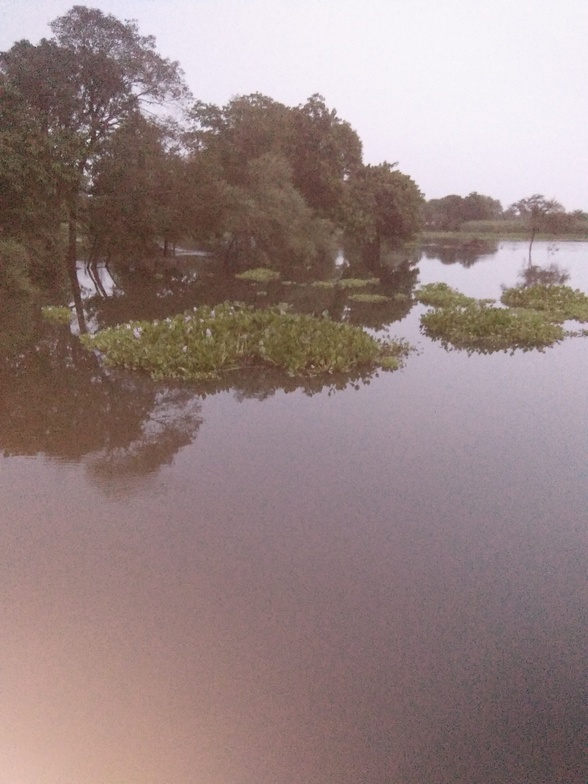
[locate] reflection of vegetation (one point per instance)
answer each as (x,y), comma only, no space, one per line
(259,275)
(558,303)
(483,328)
(55,398)
(466,253)
(204,342)
(553,275)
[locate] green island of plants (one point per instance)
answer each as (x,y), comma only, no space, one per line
(259,275)
(369,298)
(532,318)
(483,328)
(440,295)
(58,314)
(560,303)
(205,342)
(357,283)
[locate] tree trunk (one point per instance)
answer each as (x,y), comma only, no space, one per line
(72,257)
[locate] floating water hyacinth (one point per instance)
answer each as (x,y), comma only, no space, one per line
(236,336)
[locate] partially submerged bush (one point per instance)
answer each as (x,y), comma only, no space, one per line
(205,342)
(259,275)
(481,327)
(559,303)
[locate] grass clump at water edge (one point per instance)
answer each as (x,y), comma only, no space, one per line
(208,341)
(440,295)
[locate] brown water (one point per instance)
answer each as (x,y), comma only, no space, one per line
(385,584)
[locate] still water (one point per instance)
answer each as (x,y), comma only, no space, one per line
(258,585)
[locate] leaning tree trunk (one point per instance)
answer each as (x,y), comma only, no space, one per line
(72,258)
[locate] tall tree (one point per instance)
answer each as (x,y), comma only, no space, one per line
(82,84)
(538,214)
(382,205)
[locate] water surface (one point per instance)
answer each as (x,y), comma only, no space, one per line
(384,584)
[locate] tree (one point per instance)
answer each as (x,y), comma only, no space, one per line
(382,204)
(81,85)
(538,213)
(139,193)
(326,152)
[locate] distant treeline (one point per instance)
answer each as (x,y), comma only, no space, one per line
(478,213)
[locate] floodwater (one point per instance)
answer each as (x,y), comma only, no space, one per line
(258,585)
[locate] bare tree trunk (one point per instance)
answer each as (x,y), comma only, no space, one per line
(72,257)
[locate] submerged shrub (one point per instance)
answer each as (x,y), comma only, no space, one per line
(207,341)
(558,302)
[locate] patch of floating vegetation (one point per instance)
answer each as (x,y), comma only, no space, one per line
(259,275)
(559,303)
(357,283)
(532,318)
(206,342)
(323,284)
(58,314)
(369,298)
(485,329)
(440,295)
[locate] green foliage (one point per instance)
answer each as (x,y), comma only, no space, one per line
(451,212)
(483,328)
(259,275)
(440,295)
(15,266)
(558,303)
(357,283)
(382,204)
(58,314)
(205,342)
(369,298)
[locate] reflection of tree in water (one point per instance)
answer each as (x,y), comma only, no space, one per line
(261,383)
(552,275)
(460,252)
(171,424)
(56,399)
(142,294)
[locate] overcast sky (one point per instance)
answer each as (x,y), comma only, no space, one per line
(484,95)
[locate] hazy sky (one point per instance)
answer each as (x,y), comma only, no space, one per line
(485,95)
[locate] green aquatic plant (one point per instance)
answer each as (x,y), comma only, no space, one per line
(58,314)
(440,295)
(259,275)
(559,303)
(369,298)
(357,283)
(481,327)
(208,341)
(323,284)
